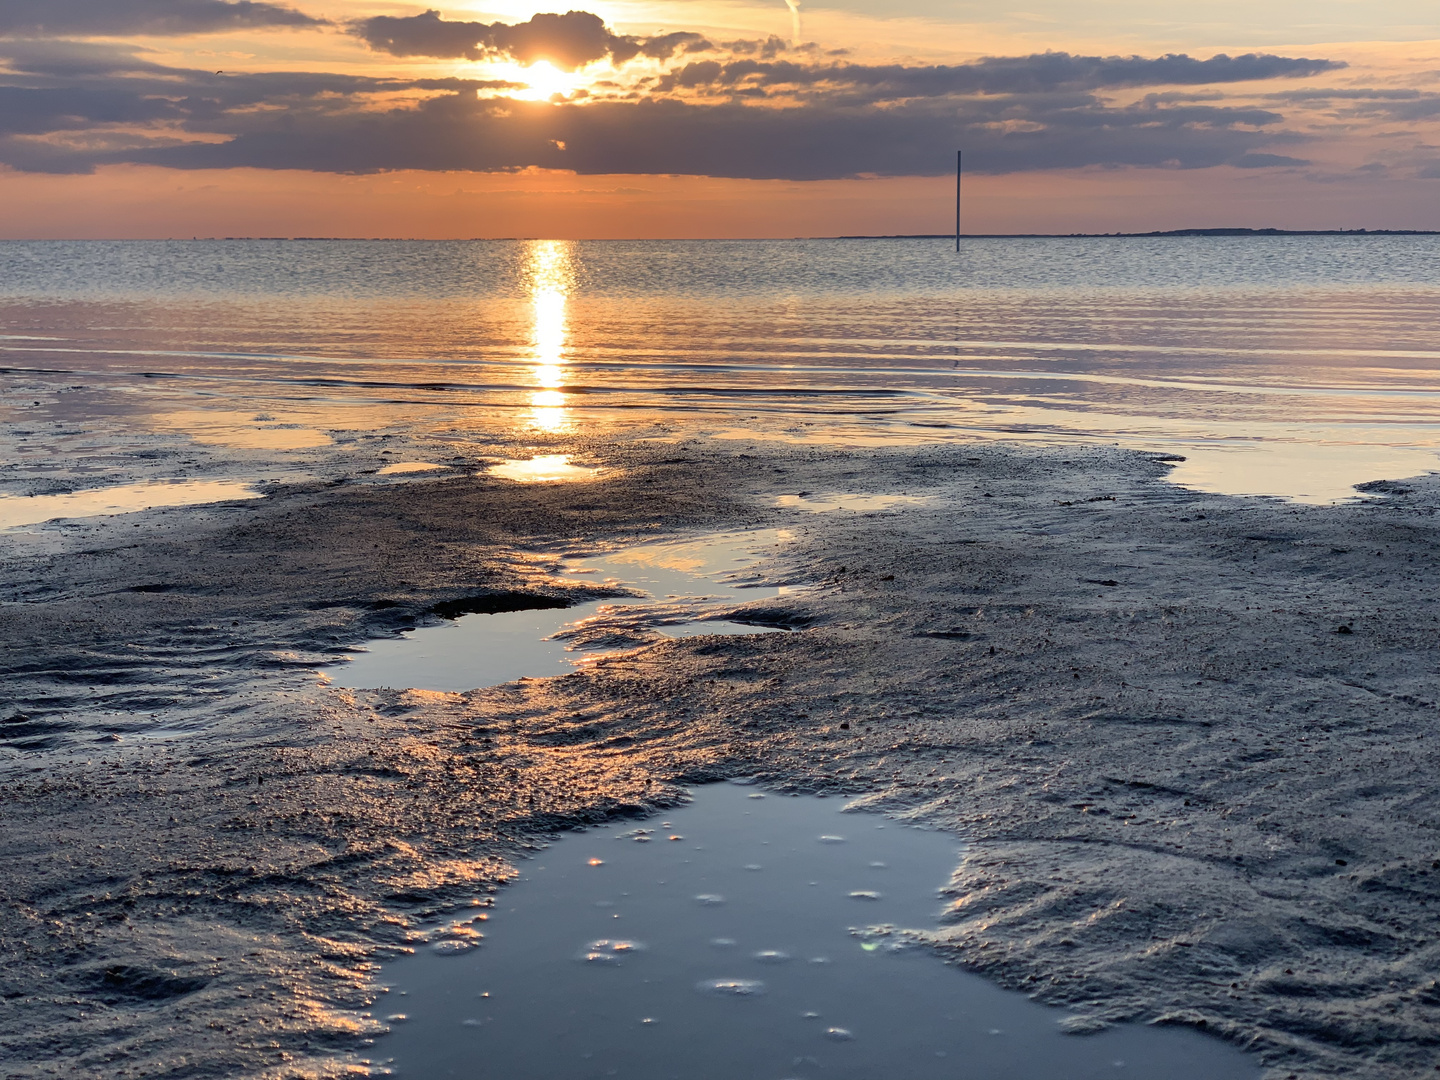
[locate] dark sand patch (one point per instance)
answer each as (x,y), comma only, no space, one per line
(1188,798)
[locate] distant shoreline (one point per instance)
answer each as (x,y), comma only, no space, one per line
(1144,235)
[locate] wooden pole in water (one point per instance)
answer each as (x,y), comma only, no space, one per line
(957,200)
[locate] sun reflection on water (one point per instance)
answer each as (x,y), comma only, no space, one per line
(550,276)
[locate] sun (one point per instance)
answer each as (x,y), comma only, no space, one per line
(539,81)
(546,80)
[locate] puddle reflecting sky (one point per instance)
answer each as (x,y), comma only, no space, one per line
(1288,365)
(727,940)
(543,469)
(18,510)
(685,583)
(860,504)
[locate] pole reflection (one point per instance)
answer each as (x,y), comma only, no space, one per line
(550,276)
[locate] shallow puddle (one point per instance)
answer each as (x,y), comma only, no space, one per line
(1305,473)
(686,583)
(546,469)
(819,504)
(18,510)
(408,467)
(241,430)
(744,936)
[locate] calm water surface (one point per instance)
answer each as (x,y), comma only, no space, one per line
(1285,365)
(682,587)
(742,937)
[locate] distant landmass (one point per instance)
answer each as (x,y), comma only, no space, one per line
(1158,233)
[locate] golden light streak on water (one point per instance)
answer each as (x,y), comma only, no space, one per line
(551,274)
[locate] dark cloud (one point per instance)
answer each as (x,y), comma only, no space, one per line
(1266,161)
(74,106)
(461,132)
(767,48)
(568,41)
(1391,104)
(1321,94)
(81,86)
(664,46)
(42,18)
(1038,73)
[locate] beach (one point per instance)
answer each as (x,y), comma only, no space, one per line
(733,541)
(1187,737)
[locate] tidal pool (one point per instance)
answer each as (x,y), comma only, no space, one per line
(18,510)
(862,504)
(544,469)
(687,583)
(744,936)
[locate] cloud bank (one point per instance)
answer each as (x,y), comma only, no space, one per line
(38,18)
(749,109)
(568,41)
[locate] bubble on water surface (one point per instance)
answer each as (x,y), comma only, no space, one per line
(772,956)
(609,950)
(396,1018)
(864,894)
(731,987)
(709,899)
(453,946)
(839,1034)
(616,945)
(831,839)
(723,942)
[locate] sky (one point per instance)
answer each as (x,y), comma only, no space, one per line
(713,118)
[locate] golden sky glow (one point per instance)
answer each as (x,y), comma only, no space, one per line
(703,118)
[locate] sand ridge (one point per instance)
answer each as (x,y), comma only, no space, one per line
(1189,796)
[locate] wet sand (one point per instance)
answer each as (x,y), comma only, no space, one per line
(1189,798)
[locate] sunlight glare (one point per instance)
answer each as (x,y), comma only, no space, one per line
(546,80)
(550,281)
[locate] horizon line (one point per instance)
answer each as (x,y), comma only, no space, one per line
(1152,234)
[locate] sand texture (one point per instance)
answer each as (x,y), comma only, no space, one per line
(1190,798)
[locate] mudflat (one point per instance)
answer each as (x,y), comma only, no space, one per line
(1190,740)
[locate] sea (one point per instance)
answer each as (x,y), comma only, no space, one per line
(1284,366)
